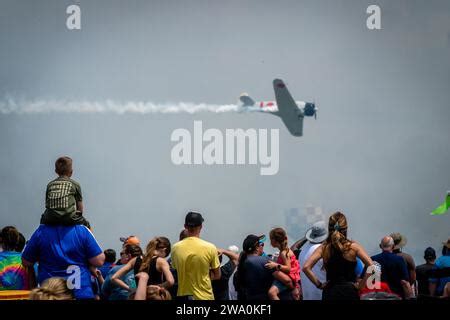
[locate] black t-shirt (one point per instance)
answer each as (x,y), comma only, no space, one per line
(423,276)
(220,287)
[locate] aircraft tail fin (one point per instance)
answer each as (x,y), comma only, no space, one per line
(245,100)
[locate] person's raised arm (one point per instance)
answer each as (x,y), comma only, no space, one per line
(214,273)
(310,263)
(164,266)
(116,277)
(362,254)
(231,255)
(299,244)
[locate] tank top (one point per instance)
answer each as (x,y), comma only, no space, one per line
(294,274)
(155,277)
(339,269)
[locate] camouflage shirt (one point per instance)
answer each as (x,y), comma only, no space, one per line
(62,196)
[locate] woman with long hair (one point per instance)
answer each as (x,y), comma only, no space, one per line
(339,258)
(153,263)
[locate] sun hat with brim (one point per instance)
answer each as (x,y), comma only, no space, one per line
(399,240)
(318,233)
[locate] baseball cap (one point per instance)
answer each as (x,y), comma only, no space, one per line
(429,253)
(193,219)
(251,241)
(130,240)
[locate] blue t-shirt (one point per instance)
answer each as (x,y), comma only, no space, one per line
(63,251)
(393,270)
(110,291)
(441,263)
(359,268)
(105,268)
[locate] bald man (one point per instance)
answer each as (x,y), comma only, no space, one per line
(393,267)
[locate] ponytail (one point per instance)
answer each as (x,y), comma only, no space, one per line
(337,236)
(339,241)
(154,244)
(239,279)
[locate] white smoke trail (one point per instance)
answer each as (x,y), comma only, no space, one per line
(22,106)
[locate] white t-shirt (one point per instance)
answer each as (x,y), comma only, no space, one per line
(310,291)
(232,294)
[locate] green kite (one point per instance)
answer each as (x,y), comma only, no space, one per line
(443,208)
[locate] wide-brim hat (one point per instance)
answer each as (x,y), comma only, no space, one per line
(318,233)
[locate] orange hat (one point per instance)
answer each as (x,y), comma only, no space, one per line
(130,240)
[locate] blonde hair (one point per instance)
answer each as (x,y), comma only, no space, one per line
(52,289)
(158,293)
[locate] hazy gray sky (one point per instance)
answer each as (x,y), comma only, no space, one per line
(379,150)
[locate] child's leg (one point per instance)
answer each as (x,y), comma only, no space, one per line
(296,294)
(273,292)
(284,279)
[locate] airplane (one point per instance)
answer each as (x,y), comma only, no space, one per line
(290,111)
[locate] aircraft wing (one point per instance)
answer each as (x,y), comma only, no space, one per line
(288,110)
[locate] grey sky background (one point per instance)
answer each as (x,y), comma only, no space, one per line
(379,150)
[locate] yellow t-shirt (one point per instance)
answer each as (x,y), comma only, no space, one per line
(193,258)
